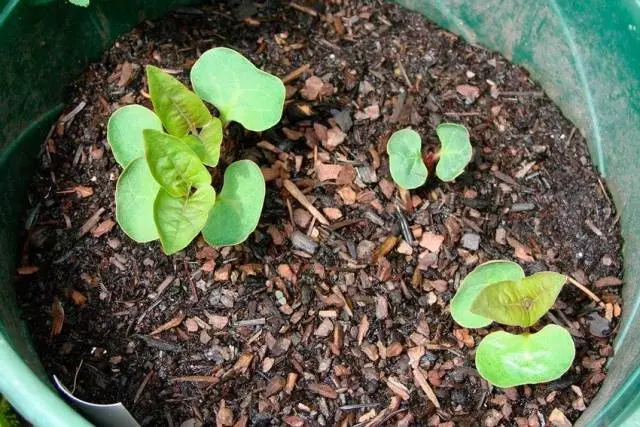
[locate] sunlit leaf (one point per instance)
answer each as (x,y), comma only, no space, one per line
(520,302)
(455,151)
(211,139)
(180,110)
(237,210)
(124,132)
(136,192)
(481,277)
(180,219)
(507,360)
(240,91)
(405,159)
(173,164)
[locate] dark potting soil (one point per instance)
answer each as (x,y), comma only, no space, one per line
(299,325)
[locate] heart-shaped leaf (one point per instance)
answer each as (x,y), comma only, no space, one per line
(519,302)
(481,277)
(180,110)
(455,151)
(405,159)
(180,219)
(507,360)
(124,132)
(136,192)
(240,91)
(237,210)
(173,164)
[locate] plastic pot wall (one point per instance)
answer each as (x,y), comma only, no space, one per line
(586,55)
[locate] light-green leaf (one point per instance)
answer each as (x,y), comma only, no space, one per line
(180,219)
(82,3)
(136,192)
(481,277)
(240,91)
(507,360)
(405,159)
(180,110)
(520,302)
(124,132)
(455,151)
(239,205)
(211,138)
(173,164)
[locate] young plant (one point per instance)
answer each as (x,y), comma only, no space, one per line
(165,189)
(499,291)
(405,155)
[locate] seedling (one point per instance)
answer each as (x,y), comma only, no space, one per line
(406,162)
(165,189)
(499,291)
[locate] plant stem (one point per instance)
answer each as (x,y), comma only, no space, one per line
(584,289)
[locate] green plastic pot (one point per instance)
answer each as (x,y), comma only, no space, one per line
(585,54)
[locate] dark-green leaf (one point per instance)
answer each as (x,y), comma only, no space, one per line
(180,110)
(180,219)
(173,164)
(124,132)
(240,91)
(521,302)
(237,210)
(507,360)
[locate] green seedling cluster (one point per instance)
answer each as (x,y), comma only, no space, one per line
(7,417)
(499,291)
(406,162)
(165,190)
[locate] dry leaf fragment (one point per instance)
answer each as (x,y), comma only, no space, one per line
(177,320)
(394,349)
(125,74)
(83,191)
(415,354)
(191,325)
(218,322)
(26,270)
(421,381)
(386,247)
(608,281)
(348,195)
(225,415)
(332,213)
(103,228)
(323,389)
(57,317)
(470,92)
(312,88)
(363,328)
(294,421)
(274,386)
(521,252)
(324,329)
(335,137)
(398,388)
(327,172)
(77,298)
(431,241)
(559,419)
(243,363)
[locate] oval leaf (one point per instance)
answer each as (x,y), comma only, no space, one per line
(124,132)
(507,360)
(180,219)
(211,138)
(173,164)
(481,277)
(405,159)
(521,302)
(136,192)
(240,91)
(239,205)
(180,110)
(455,151)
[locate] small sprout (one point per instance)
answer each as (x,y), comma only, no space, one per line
(481,277)
(455,152)
(237,210)
(238,89)
(508,360)
(405,159)
(164,191)
(499,291)
(405,155)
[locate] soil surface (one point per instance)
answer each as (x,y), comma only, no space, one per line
(304,323)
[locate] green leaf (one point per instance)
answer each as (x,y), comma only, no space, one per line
(124,132)
(211,138)
(180,219)
(519,302)
(136,192)
(455,151)
(82,3)
(173,164)
(507,360)
(239,205)
(180,110)
(240,91)
(481,277)
(405,159)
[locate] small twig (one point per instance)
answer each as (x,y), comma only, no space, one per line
(192,286)
(302,199)
(304,9)
(295,73)
(462,114)
(358,406)
(404,226)
(584,289)
(91,222)
(70,115)
(143,385)
(250,322)
(522,93)
(75,377)
(197,379)
(404,73)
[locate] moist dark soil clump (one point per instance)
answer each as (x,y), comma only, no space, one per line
(306,323)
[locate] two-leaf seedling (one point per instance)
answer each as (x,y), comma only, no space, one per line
(405,155)
(499,291)
(165,189)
